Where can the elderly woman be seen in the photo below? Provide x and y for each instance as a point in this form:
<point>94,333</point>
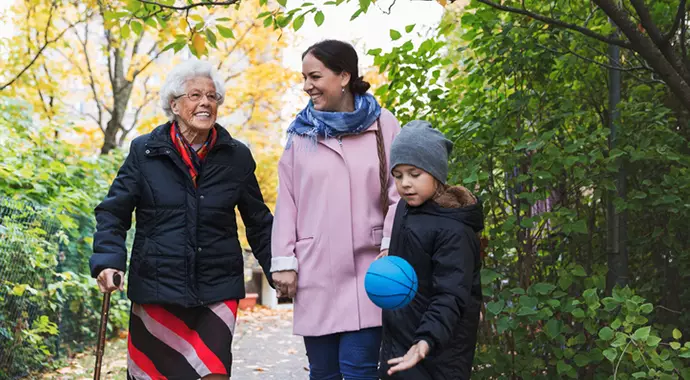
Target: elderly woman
<point>184,180</point>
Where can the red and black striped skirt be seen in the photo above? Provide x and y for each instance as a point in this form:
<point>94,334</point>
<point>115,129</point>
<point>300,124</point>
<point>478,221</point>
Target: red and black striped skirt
<point>173,342</point>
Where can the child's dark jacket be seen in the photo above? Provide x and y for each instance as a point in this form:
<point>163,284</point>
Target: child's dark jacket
<point>439,239</point>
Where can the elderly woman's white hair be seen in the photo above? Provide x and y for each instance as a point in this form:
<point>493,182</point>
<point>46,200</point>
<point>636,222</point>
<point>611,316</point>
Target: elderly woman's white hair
<point>175,82</point>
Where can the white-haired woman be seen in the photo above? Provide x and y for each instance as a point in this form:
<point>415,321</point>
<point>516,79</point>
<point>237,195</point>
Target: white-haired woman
<point>184,180</point>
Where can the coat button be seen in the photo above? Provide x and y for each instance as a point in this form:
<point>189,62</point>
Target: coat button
<point>167,151</point>
<point>148,151</point>
<point>198,249</point>
<point>201,197</point>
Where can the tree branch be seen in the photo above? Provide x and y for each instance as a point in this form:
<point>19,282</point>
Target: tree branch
<point>39,53</point>
<point>92,83</point>
<point>658,39</point>
<point>590,60</point>
<point>190,6</point>
<point>558,23</point>
<point>676,23</point>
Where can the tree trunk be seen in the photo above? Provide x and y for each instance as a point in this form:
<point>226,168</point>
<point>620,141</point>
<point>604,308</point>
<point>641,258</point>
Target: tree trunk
<point>122,91</point>
<point>651,53</point>
<point>616,222</point>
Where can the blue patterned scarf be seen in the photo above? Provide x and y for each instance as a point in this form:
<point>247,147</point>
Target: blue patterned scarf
<point>313,124</point>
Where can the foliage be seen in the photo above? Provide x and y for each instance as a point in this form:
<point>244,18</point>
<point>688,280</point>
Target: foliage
<point>531,135</point>
<point>49,298</point>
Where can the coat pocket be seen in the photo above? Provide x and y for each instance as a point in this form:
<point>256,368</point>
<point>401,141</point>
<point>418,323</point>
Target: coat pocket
<point>376,236</point>
<point>302,246</point>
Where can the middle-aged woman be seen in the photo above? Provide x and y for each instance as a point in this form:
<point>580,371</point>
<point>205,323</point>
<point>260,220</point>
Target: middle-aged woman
<point>334,189</point>
<point>184,179</point>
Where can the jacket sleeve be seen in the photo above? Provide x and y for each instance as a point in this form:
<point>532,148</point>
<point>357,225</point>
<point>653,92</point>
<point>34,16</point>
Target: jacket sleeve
<point>114,218</point>
<point>285,227</point>
<point>393,128</point>
<point>257,220</point>
<point>453,266</point>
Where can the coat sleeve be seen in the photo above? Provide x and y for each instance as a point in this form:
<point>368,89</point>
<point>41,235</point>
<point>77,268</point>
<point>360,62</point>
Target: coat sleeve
<point>453,268</point>
<point>393,128</point>
<point>285,227</point>
<point>114,218</point>
<point>257,220</point>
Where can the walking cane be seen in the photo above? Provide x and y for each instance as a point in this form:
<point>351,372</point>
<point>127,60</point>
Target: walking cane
<point>104,324</point>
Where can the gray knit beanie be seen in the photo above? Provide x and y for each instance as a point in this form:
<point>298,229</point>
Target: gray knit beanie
<point>419,144</point>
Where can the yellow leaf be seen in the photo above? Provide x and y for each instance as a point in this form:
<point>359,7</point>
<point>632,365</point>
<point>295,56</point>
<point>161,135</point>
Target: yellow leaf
<point>199,44</point>
<point>442,2</point>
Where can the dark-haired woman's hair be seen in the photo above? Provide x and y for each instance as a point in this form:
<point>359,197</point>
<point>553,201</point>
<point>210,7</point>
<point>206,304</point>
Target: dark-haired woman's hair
<point>340,57</point>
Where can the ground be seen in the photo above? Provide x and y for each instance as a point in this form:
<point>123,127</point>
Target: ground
<point>264,348</point>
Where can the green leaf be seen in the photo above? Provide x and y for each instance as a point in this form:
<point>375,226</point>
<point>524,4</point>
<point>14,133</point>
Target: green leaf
<point>318,18</point>
<point>268,21</point>
<point>677,334</point>
<point>364,5</point>
<point>611,354</point>
<point>581,360</point>
<point>525,311</point>
<point>395,35</point>
<point>282,3</point>
<point>639,375</point>
<point>489,276</point>
<point>409,28</point>
<point>374,51</point>
<point>579,271</point>
<point>553,328</point>
<point>137,27</point>
<point>543,288</point>
<point>563,367</point>
<point>356,14</point>
<point>225,32</point>
<point>565,281</point>
<point>675,345</point>
<point>653,341</point>
<point>518,291</point>
<point>642,333</point>
<point>125,31</point>
<point>606,333</point>
<point>529,302</point>
<point>646,308</point>
<point>299,21</point>
<point>578,313</point>
<point>495,307</point>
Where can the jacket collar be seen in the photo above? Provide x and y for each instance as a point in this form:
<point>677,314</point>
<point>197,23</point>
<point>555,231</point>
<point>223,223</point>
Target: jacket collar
<point>160,137</point>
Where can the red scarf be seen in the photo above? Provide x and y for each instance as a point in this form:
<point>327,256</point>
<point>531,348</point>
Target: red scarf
<point>193,159</point>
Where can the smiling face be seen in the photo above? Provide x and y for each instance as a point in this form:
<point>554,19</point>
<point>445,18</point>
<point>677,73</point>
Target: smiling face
<point>199,115</point>
<point>414,185</point>
<point>324,86</point>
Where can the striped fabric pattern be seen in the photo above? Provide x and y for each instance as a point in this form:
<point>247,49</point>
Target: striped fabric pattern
<point>173,342</point>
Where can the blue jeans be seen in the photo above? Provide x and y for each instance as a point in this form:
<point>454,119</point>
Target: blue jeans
<point>349,355</point>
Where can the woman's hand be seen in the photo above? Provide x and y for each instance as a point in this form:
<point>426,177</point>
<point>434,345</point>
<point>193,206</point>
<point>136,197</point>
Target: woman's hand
<point>416,354</point>
<point>383,253</point>
<point>106,283</point>
<point>286,283</point>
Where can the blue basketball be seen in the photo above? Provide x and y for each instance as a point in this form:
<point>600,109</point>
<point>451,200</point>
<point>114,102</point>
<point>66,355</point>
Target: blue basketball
<point>390,282</point>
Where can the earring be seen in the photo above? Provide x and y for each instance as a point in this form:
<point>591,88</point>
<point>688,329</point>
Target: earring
<point>342,90</point>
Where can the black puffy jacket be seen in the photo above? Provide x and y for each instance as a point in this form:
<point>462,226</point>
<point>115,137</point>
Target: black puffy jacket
<point>439,239</point>
<point>186,249</point>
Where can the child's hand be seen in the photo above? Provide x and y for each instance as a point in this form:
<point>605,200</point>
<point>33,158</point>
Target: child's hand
<point>416,354</point>
<point>383,253</point>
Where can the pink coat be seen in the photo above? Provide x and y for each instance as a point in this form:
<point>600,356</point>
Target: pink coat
<point>329,226</point>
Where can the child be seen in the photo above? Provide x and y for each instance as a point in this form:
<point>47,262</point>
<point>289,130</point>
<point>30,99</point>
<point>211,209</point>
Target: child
<point>435,230</point>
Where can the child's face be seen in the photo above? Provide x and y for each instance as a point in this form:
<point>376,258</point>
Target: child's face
<point>414,185</point>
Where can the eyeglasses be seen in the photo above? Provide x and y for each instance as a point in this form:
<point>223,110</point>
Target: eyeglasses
<point>196,96</point>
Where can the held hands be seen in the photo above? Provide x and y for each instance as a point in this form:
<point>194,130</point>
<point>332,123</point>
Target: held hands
<point>106,283</point>
<point>286,283</point>
<point>416,354</point>
<point>383,253</point>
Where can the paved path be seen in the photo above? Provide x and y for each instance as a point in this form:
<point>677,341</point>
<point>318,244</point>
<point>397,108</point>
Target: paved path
<point>263,348</point>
